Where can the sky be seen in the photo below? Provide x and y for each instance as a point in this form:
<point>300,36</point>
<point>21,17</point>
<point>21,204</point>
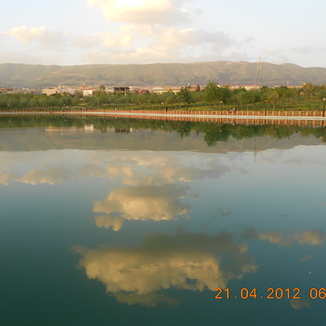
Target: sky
<point>75,32</point>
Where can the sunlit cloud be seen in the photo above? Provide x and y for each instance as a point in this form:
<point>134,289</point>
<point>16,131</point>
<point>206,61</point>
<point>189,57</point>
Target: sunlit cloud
<point>139,55</point>
<point>155,203</point>
<point>40,35</point>
<point>52,175</point>
<point>184,261</point>
<point>299,304</point>
<point>162,44</point>
<point>126,171</point>
<point>146,169</point>
<point>107,221</point>
<point>167,168</point>
<point>165,12</point>
<point>314,237</point>
<point>305,258</point>
<point>87,41</point>
<point>6,177</point>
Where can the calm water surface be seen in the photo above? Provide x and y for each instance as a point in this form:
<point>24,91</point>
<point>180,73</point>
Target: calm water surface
<point>114,223</point>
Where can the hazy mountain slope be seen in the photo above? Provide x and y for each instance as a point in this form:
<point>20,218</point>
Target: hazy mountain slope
<point>159,74</point>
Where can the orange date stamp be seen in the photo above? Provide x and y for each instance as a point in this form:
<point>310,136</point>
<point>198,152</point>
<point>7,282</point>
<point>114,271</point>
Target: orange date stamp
<point>270,293</point>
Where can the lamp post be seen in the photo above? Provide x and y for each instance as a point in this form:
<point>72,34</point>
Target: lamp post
<point>324,99</point>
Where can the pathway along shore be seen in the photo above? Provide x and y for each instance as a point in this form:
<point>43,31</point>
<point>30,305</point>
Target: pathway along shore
<point>247,117</point>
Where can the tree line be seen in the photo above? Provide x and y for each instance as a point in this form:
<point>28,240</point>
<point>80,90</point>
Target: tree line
<point>213,96</point>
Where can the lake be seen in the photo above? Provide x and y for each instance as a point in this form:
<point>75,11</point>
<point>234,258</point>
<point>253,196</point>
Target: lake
<point>140,222</point>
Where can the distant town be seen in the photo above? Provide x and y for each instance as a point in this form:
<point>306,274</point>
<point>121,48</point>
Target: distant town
<point>90,90</point>
<point>194,97</point>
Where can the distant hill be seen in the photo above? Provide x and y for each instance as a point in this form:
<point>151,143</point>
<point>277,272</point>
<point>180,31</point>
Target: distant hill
<point>159,74</point>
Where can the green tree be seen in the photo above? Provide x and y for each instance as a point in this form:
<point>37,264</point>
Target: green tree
<point>13,103</point>
<point>273,97</point>
<point>321,94</point>
<point>185,95</point>
<point>224,93</point>
<point>42,102</point>
<point>33,102</point>
<point>245,98</point>
<point>212,92</point>
<point>24,102</point>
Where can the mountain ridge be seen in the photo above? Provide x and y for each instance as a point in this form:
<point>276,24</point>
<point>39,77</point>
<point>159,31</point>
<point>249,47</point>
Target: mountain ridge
<point>13,75</point>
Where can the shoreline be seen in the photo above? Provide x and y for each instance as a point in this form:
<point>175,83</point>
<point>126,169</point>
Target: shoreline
<point>200,115</point>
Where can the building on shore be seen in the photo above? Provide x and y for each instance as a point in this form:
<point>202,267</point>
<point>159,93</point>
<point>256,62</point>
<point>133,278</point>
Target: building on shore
<point>50,91</point>
<point>119,89</point>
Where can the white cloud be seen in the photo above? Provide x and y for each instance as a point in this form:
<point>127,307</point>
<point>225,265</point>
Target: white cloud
<point>143,38</point>
<point>139,55</point>
<point>198,11</point>
<point>107,39</point>
<point>162,45</point>
<point>304,49</point>
<point>40,35</point>
<point>194,37</point>
<point>273,51</point>
<point>152,12</point>
<point>87,41</point>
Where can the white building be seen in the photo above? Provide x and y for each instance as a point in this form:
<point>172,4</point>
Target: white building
<point>50,91</point>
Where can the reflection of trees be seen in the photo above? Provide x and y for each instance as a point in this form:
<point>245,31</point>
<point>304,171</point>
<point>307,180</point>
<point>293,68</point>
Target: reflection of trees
<point>183,128</point>
<point>213,132</point>
<point>188,261</point>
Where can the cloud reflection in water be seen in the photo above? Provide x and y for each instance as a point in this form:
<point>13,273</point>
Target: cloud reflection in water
<point>188,261</point>
<point>156,203</point>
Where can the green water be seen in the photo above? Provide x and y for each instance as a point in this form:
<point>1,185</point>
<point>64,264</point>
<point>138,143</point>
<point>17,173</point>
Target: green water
<point>127,222</point>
